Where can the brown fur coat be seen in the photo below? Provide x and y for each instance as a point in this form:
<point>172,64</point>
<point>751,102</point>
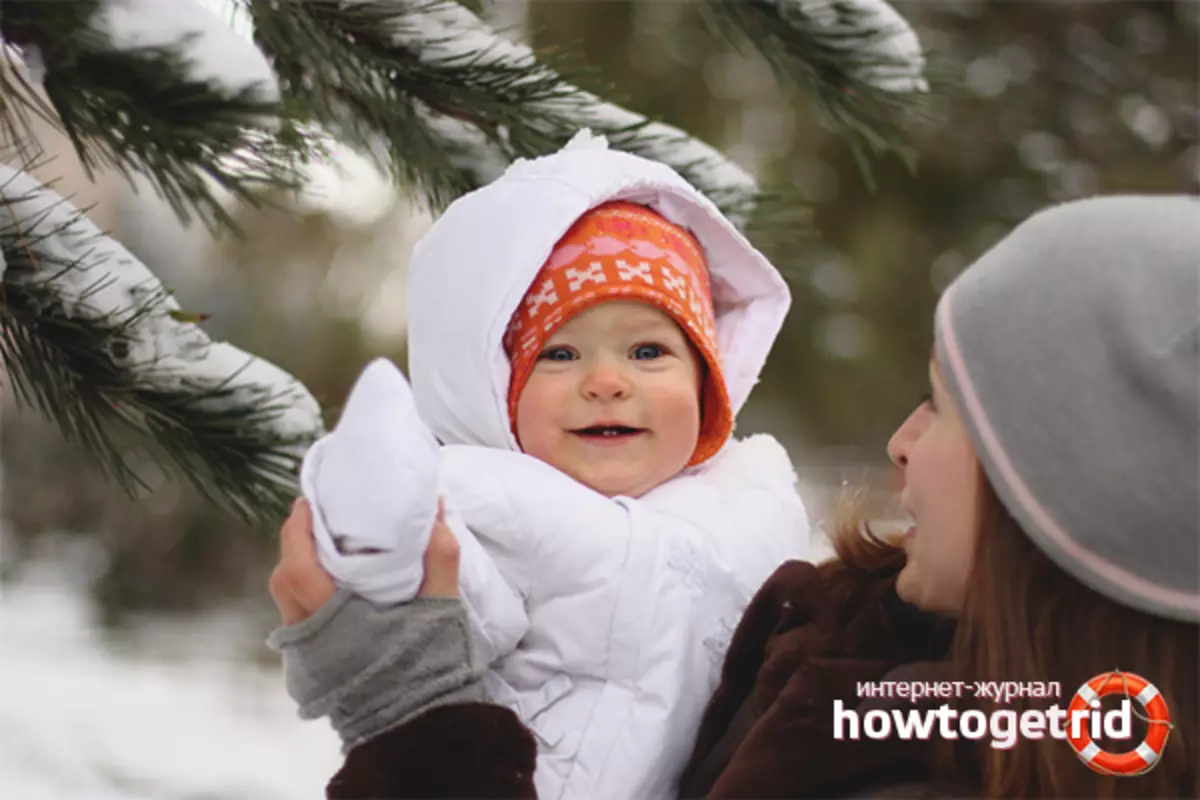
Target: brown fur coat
<point>806,639</point>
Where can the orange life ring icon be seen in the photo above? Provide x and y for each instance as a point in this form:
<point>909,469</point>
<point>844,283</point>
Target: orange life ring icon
<point>1132,762</point>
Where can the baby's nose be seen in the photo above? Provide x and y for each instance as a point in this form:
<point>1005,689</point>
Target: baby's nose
<point>606,381</point>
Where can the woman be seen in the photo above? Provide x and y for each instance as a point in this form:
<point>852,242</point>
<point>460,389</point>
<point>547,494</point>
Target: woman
<point>1053,484</point>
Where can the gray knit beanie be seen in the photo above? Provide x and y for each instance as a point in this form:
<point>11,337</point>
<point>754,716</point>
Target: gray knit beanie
<point>1072,349</point>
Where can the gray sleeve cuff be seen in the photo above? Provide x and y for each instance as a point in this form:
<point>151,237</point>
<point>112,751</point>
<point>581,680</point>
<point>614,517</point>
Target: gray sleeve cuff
<point>369,669</point>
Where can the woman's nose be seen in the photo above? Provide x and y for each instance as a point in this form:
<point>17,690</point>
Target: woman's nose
<point>900,443</point>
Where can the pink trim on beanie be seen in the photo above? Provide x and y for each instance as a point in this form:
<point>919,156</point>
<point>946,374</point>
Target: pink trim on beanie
<point>1024,497</point>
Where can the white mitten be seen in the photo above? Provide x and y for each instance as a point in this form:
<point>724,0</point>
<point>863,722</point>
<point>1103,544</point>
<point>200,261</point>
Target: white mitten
<point>373,487</point>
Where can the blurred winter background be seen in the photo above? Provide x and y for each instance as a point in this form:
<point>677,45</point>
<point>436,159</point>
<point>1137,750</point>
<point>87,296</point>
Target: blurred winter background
<point>131,655</point>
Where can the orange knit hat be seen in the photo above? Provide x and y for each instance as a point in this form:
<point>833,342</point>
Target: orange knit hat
<point>622,251</point>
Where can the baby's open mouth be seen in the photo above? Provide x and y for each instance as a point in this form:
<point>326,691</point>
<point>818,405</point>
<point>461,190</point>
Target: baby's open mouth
<point>608,431</point>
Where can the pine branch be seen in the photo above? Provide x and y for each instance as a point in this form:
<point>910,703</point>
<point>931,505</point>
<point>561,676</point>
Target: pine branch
<point>140,110</point>
<point>19,104</point>
<point>386,72</point>
<point>92,340</point>
<point>857,59</point>
<point>451,102</point>
<point>426,86</point>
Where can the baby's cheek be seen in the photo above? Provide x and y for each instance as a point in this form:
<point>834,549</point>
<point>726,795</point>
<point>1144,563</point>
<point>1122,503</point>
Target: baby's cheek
<point>531,425</point>
<point>679,410</point>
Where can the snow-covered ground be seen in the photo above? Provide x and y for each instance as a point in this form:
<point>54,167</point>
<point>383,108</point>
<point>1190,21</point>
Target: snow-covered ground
<point>182,713</point>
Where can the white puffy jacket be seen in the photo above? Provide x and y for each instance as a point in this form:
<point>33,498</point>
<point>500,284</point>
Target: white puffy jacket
<point>604,620</point>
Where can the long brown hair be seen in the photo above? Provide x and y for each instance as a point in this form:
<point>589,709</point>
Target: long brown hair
<point>1025,619</point>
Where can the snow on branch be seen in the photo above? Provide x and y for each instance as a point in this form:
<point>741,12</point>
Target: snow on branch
<point>212,51</point>
<point>858,60</point>
<point>93,340</point>
<point>875,27</point>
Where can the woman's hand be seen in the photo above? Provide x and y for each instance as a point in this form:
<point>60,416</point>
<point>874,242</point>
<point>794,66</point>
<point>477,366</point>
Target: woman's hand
<point>300,585</point>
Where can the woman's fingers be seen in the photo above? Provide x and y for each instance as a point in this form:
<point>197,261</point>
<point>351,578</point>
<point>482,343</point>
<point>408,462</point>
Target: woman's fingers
<point>296,543</point>
<point>280,583</point>
<point>299,584</point>
<point>441,560</point>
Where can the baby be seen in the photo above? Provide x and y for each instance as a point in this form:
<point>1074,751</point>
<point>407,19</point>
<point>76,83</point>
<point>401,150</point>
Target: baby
<point>582,332</point>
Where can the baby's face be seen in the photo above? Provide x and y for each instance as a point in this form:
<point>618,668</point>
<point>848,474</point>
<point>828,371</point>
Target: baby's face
<point>614,399</point>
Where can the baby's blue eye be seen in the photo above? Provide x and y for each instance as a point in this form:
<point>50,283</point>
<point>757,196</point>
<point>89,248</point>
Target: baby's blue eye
<point>557,354</point>
<point>647,352</point>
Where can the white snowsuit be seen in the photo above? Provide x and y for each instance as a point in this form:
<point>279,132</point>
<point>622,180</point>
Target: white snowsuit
<point>604,622</point>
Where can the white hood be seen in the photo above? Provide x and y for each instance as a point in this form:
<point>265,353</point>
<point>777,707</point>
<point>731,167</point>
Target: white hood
<point>469,273</point>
